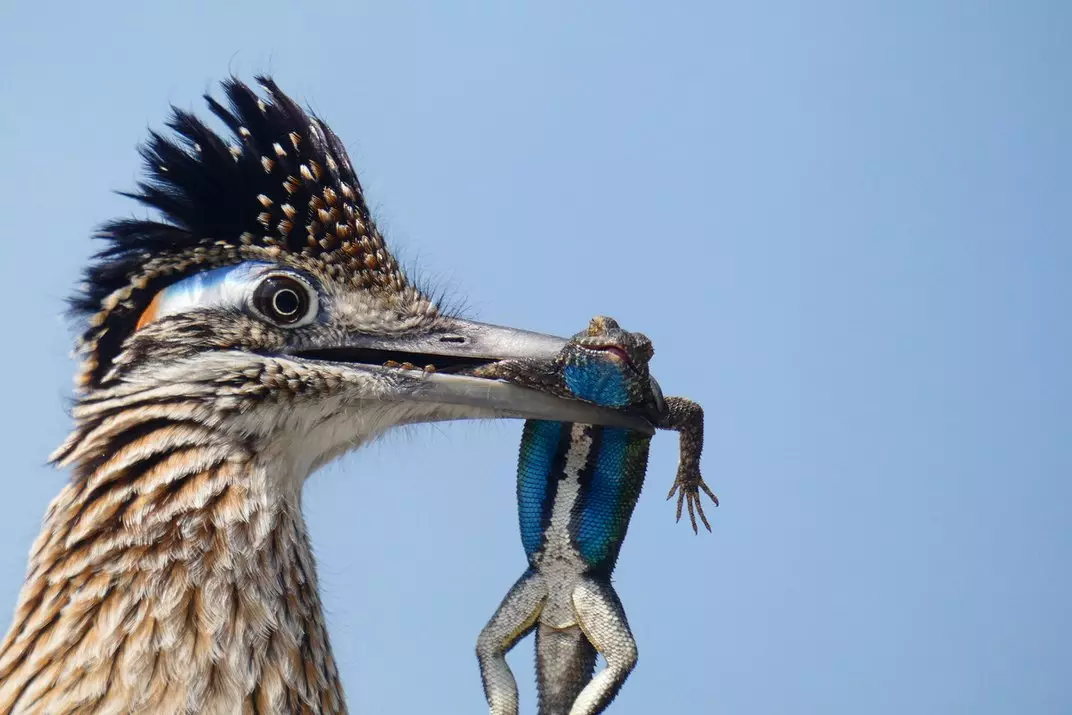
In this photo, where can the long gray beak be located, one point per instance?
(468, 343)
(513, 401)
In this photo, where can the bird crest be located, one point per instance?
(281, 187)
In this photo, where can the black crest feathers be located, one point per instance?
(283, 182)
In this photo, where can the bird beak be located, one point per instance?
(514, 401)
(463, 345)
(482, 343)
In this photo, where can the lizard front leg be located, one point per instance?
(515, 618)
(602, 619)
(686, 418)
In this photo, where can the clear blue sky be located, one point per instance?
(845, 225)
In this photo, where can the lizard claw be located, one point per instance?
(688, 493)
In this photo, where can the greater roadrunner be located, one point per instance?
(256, 332)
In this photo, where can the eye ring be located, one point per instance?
(285, 300)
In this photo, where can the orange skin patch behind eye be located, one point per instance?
(149, 315)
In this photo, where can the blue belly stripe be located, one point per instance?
(611, 495)
(540, 445)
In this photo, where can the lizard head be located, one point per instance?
(603, 365)
(608, 365)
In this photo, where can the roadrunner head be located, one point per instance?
(266, 286)
(265, 244)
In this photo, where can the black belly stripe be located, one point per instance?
(584, 479)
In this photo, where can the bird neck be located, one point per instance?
(171, 574)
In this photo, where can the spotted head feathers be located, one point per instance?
(281, 188)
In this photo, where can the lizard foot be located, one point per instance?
(688, 491)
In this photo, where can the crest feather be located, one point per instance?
(282, 181)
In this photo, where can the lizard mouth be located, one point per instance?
(616, 352)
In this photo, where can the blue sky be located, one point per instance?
(845, 225)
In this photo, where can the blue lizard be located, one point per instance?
(577, 486)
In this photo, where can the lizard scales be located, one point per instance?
(577, 486)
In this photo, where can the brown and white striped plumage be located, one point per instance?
(174, 574)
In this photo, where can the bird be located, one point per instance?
(253, 328)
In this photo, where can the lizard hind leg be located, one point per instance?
(602, 618)
(514, 619)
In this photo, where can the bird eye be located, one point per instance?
(285, 300)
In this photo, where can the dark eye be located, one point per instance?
(285, 300)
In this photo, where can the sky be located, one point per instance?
(845, 226)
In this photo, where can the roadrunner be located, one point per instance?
(257, 330)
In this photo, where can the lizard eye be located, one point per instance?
(285, 300)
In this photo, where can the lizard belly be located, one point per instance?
(614, 480)
(559, 561)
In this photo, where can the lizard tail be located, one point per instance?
(564, 664)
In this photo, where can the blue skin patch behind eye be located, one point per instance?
(224, 286)
(218, 282)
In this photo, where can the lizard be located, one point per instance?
(577, 486)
